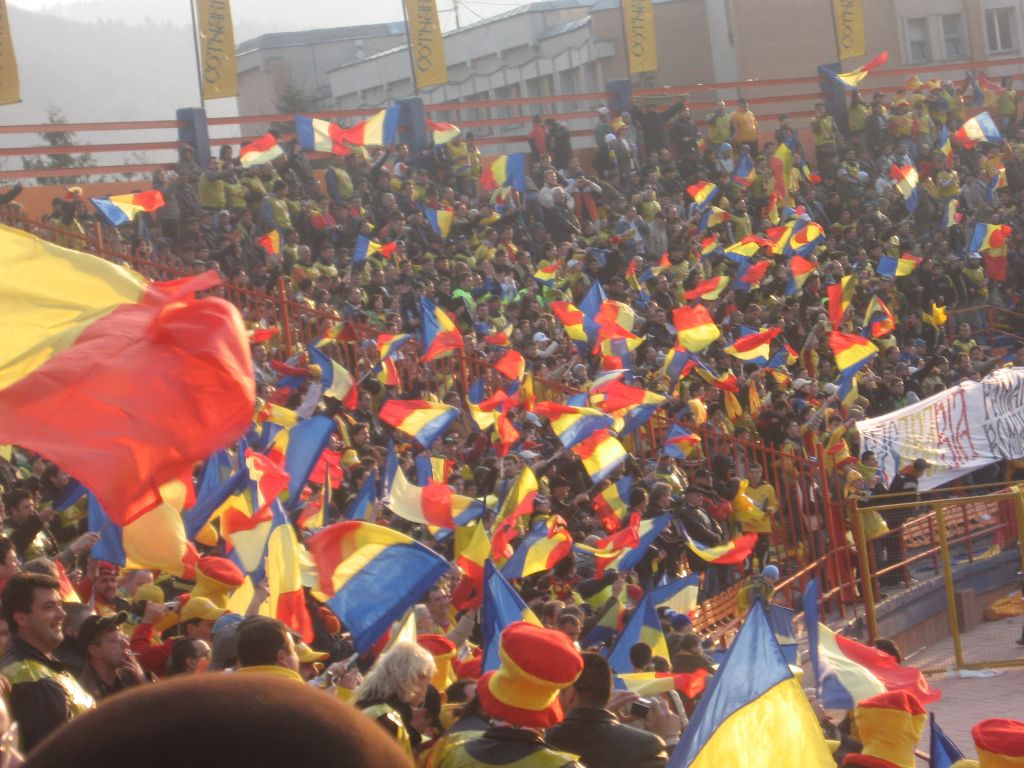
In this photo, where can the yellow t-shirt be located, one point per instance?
(744, 125)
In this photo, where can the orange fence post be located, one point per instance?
(286, 330)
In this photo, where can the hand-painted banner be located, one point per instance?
(10, 91)
(849, 21)
(217, 48)
(957, 431)
(638, 23)
(429, 66)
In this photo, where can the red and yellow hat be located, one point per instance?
(536, 663)
(1000, 744)
(216, 579)
(890, 725)
(443, 650)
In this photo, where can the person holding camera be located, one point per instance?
(593, 731)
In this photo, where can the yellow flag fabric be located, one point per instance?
(849, 19)
(10, 88)
(157, 540)
(50, 295)
(641, 46)
(217, 49)
(430, 67)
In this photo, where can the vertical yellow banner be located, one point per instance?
(428, 62)
(216, 49)
(849, 16)
(638, 22)
(10, 91)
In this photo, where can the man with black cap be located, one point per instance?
(110, 665)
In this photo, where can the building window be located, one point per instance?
(999, 26)
(919, 47)
(953, 40)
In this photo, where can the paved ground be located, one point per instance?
(966, 701)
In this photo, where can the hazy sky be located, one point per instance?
(330, 14)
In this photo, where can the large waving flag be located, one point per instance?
(317, 135)
(336, 381)
(261, 151)
(298, 449)
(695, 329)
(943, 752)
(506, 171)
(502, 606)
(572, 424)
(754, 713)
(366, 247)
(540, 550)
(850, 80)
(906, 182)
(800, 269)
(744, 173)
(433, 504)
(978, 129)
(730, 553)
(440, 336)
(246, 518)
(516, 504)
(442, 132)
(703, 193)
(878, 320)
(681, 595)
(122, 209)
(440, 220)
(708, 290)
(754, 347)
(851, 351)
(649, 531)
(421, 420)
(839, 297)
(989, 236)
(847, 672)
(367, 494)
(370, 575)
(892, 266)
(123, 383)
(644, 627)
(680, 442)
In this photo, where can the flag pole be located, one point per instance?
(412, 56)
(195, 45)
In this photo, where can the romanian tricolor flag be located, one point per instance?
(298, 449)
(713, 216)
(246, 518)
(710, 246)
(506, 171)
(421, 420)
(708, 290)
(906, 182)
(730, 553)
(891, 266)
(121, 209)
(502, 338)
(743, 174)
(440, 220)
(945, 146)
(502, 607)
(601, 454)
(284, 578)
(370, 575)
(800, 269)
(851, 351)
(751, 274)
(805, 239)
(976, 130)
(440, 336)
(703, 193)
(359, 507)
(270, 242)
(612, 504)
(644, 627)
(848, 672)
(989, 237)
(517, 503)
(442, 132)
(681, 595)
(380, 130)
(123, 383)
(547, 275)
(572, 424)
(754, 347)
(678, 362)
(998, 181)
(664, 263)
(547, 543)
(878, 320)
(839, 297)
(648, 532)
(316, 135)
(695, 329)
(336, 381)
(574, 321)
(433, 505)
(472, 551)
(680, 442)
(951, 213)
(756, 713)
(261, 151)
(942, 752)
(850, 80)
(366, 247)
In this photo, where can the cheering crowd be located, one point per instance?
(631, 275)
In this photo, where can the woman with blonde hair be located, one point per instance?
(394, 687)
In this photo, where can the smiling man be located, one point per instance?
(44, 694)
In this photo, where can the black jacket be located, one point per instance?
(44, 694)
(602, 741)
